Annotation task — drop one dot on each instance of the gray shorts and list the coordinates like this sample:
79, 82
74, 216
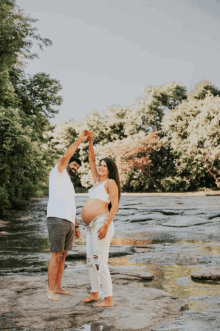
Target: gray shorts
61, 233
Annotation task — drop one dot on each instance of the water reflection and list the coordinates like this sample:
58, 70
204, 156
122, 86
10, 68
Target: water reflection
176, 280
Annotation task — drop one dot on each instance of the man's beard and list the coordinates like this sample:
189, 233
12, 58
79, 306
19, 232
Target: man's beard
71, 172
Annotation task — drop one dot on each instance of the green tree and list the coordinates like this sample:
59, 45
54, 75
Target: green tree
194, 137
27, 147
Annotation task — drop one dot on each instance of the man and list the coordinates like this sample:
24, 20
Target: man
61, 216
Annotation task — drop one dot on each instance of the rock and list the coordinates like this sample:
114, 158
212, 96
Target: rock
184, 307
24, 218
211, 194
24, 305
207, 273
143, 248
114, 252
76, 256
134, 274
185, 221
3, 223
3, 233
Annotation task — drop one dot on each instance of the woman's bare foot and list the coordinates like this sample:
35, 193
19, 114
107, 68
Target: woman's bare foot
106, 302
62, 291
93, 297
52, 296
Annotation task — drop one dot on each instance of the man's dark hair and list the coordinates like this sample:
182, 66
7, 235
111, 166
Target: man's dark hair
73, 158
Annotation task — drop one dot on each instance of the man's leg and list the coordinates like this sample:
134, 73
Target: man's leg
58, 288
52, 274
68, 244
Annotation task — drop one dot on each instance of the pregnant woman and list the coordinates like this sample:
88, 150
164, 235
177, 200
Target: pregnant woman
98, 214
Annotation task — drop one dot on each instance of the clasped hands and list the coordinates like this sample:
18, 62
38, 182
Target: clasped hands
86, 134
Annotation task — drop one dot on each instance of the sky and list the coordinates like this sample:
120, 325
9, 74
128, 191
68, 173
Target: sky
106, 52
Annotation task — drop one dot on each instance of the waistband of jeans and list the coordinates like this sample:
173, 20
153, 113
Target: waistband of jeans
96, 219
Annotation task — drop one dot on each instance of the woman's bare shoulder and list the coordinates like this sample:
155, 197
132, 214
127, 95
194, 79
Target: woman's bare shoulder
111, 183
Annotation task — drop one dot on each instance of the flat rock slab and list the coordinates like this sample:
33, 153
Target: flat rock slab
115, 251
24, 304
142, 249
4, 233
138, 274
3, 223
207, 273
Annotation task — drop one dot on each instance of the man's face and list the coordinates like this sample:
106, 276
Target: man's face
73, 168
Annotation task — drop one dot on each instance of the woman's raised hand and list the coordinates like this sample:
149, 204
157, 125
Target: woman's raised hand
84, 135
91, 135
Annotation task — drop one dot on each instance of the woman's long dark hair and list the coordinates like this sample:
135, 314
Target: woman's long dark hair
113, 174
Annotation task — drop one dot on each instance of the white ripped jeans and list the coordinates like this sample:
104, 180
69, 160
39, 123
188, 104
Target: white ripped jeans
97, 251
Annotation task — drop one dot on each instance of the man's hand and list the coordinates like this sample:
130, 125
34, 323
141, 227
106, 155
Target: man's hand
84, 135
77, 233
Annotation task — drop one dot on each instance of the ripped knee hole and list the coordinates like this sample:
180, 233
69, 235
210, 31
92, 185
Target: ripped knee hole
96, 262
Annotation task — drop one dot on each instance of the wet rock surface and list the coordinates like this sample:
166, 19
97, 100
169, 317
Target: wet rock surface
23, 296
163, 260
207, 273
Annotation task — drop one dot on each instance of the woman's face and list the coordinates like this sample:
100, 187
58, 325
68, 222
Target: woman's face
103, 169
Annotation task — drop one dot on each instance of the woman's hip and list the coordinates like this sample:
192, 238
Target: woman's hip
98, 221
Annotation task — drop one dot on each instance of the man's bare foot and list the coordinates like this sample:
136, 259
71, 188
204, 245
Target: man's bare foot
52, 296
92, 297
62, 291
107, 302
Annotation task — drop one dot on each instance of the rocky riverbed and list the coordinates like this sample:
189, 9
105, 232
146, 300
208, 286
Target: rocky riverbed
164, 263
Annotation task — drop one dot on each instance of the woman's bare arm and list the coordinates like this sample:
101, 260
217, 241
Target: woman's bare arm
92, 159
113, 194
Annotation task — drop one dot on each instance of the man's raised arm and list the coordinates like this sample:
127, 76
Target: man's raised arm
71, 150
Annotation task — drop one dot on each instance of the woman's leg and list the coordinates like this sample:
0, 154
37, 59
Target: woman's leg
104, 274
93, 272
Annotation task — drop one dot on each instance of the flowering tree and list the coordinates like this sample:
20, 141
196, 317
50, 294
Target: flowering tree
194, 136
146, 113
134, 153
185, 154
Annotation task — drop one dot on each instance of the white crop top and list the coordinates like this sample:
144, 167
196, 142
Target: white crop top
99, 192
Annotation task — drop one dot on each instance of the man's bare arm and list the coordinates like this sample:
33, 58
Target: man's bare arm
71, 150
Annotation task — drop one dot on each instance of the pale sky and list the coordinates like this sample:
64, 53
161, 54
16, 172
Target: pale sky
106, 52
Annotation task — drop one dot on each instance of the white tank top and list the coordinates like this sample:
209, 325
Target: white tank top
99, 192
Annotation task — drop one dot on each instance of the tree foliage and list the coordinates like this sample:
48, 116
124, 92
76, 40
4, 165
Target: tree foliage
135, 154
186, 156
194, 136
27, 147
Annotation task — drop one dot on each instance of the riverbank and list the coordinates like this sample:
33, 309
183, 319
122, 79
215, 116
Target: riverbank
24, 305
169, 194
169, 237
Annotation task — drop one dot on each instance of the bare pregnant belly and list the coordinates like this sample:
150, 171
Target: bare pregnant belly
93, 208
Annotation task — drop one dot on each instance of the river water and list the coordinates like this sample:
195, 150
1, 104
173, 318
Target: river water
24, 241
184, 230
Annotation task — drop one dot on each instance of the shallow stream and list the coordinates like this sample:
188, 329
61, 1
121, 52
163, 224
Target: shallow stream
184, 233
